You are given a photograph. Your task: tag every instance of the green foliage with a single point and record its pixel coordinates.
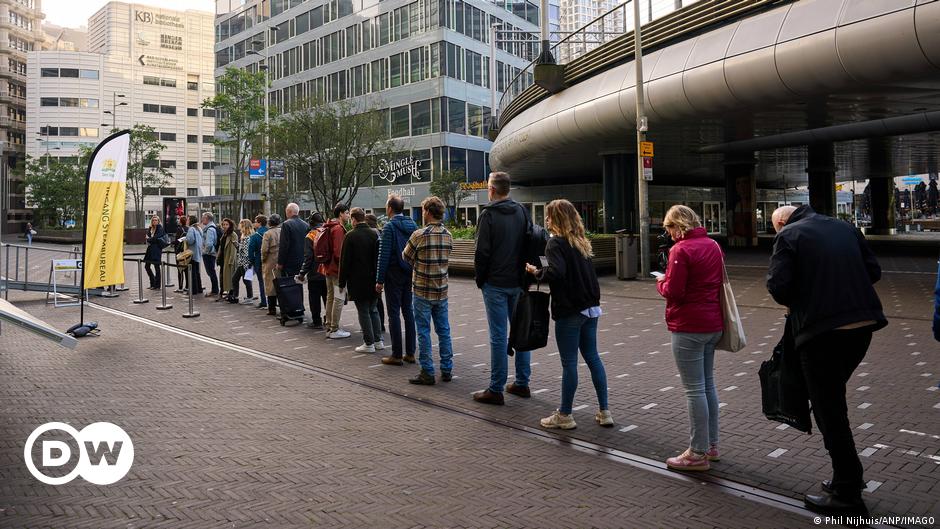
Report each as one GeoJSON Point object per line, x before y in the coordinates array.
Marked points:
{"type": "Point", "coordinates": [239, 104]}
{"type": "Point", "coordinates": [143, 167]}
{"type": "Point", "coordinates": [330, 150]}
{"type": "Point", "coordinates": [56, 188]}
{"type": "Point", "coordinates": [467, 233]}
{"type": "Point", "coordinates": [447, 187]}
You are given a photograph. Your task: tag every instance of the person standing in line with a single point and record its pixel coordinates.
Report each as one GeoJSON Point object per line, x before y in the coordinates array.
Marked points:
{"type": "Point", "coordinates": [499, 265]}
{"type": "Point", "coordinates": [269, 250]}
{"type": "Point", "coordinates": [393, 276]}
{"type": "Point", "coordinates": [356, 274]}
{"type": "Point", "coordinates": [28, 231]}
{"type": "Point", "coordinates": [936, 306]}
{"type": "Point", "coordinates": [211, 236]}
{"type": "Point", "coordinates": [373, 223]}
{"type": "Point", "coordinates": [290, 253]}
{"type": "Point", "coordinates": [316, 282]}
{"type": "Point", "coordinates": [428, 252]}
{"type": "Point", "coordinates": [178, 247]}
{"type": "Point", "coordinates": [254, 255]}
{"type": "Point", "coordinates": [242, 264]}
{"type": "Point", "coordinates": [823, 271]}
{"type": "Point", "coordinates": [155, 246]}
{"type": "Point", "coordinates": [692, 288]}
{"type": "Point", "coordinates": [576, 308]}
{"type": "Point", "coordinates": [335, 229]}
{"type": "Point", "coordinates": [228, 257]}
{"type": "Point", "coordinates": [194, 241]}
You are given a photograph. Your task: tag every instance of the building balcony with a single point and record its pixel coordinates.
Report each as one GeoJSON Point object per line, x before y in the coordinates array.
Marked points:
{"type": "Point", "coordinates": [6, 71]}
{"type": "Point", "coordinates": [12, 99]}
{"type": "Point", "coordinates": [9, 123]}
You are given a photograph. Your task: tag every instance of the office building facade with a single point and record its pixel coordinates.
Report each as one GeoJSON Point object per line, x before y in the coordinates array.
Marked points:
{"type": "Point", "coordinates": [20, 33]}
{"type": "Point", "coordinates": [424, 63]}
{"type": "Point", "coordinates": [144, 65]}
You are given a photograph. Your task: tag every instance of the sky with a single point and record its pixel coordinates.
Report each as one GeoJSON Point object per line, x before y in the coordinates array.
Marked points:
{"type": "Point", "coordinates": [75, 13]}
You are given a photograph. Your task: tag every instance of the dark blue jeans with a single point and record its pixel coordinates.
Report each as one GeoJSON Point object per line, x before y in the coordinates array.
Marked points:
{"type": "Point", "coordinates": [571, 334]}
{"type": "Point", "coordinates": [499, 303]}
{"type": "Point", "coordinates": [257, 268]}
{"type": "Point", "coordinates": [398, 302]}
{"type": "Point", "coordinates": [208, 262]}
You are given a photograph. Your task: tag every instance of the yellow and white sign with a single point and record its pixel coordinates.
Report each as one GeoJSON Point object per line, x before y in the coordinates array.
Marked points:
{"type": "Point", "coordinates": [104, 213]}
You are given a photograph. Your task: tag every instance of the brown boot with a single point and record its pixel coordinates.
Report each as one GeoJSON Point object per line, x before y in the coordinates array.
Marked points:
{"type": "Point", "coordinates": [519, 391]}
{"type": "Point", "coordinates": [392, 361]}
{"type": "Point", "coordinates": [409, 358]}
{"type": "Point", "coordinates": [488, 397]}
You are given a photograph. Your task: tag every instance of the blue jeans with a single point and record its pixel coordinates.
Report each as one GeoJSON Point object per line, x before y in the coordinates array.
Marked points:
{"type": "Point", "coordinates": [398, 302]}
{"type": "Point", "coordinates": [573, 333]}
{"type": "Point", "coordinates": [499, 303]}
{"type": "Point", "coordinates": [208, 262]}
{"type": "Point", "coordinates": [695, 358]}
{"type": "Point", "coordinates": [257, 268]}
{"type": "Point", "coordinates": [425, 311]}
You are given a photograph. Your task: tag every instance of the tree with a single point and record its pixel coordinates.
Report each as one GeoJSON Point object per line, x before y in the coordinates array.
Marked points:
{"type": "Point", "coordinates": [56, 188]}
{"type": "Point", "coordinates": [330, 149]}
{"type": "Point", "coordinates": [448, 187]}
{"type": "Point", "coordinates": [239, 104]}
{"type": "Point", "coordinates": [143, 167]}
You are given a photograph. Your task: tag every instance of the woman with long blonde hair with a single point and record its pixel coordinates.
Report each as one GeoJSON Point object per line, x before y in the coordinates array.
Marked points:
{"type": "Point", "coordinates": [242, 263]}
{"type": "Point", "coordinates": [576, 299]}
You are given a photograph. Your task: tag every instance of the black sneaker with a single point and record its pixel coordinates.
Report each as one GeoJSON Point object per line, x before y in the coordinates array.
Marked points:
{"type": "Point", "coordinates": [446, 376]}
{"type": "Point", "coordinates": [422, 379]}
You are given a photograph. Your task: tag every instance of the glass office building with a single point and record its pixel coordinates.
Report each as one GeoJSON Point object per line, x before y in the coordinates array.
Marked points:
{"type": "Point", "coordinates": [425, 63]}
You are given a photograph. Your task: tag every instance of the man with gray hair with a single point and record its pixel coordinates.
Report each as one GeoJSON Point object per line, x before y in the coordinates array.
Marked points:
{"type": "Point", "coordinates": [290, 253]}
{"type": "Point", "coordinates": [823, 271]}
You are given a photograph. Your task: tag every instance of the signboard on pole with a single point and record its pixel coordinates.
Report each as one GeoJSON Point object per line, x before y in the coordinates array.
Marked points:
{"type": "Point", "coordinates": [647, 169]}
{"type": "Point", "coordinates": [257, 168]}
{"type": "Point", "coordinates": [277, 169]}
{"type": "Point", "coordinates": [104, 212]}
{"type": "Point", "coordinates": [646, 149]}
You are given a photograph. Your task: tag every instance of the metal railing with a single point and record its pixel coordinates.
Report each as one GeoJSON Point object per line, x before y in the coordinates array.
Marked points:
{"type": "Point", "coordinates": [608, 40]}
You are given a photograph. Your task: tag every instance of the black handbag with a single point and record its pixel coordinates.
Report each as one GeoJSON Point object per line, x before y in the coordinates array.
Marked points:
{"type": "Point", "coordinates": [528, 327]}
{"type": "Point", "coordinates": [783, 389]}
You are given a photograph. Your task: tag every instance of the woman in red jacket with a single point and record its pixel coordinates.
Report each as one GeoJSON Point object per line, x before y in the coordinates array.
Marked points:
{"type": "Point", "coordinates": [691, 287]}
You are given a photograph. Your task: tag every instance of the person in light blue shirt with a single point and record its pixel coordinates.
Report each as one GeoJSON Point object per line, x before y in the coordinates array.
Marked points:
{"type": "Point", "coordinates": [194, 242]}
{"type": "Point", "coordinates": [211, 234]}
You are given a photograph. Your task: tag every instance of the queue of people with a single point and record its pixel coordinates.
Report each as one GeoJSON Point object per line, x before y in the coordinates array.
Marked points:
{"type": "Point", "coordinates": [822, 271]}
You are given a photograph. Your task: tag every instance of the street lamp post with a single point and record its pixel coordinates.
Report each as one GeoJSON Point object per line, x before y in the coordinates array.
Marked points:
{"type": "Point", "coordinates": [493, 34]}
{"type": "Point", "coordinates": [641, 130]}
{"type": "Point", "coordinates": [114, 105]}
{"type": "Point", "coordinates": [267, 82]}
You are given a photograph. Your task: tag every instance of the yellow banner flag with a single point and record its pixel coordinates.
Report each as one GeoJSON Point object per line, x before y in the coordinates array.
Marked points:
{"type": "Point", "coordinates": [103, 257]}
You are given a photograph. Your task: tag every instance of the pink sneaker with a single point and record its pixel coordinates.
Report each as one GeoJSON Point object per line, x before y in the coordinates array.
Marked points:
{"type": "Point", "coordinates": [712, 453]}
{"type": "Point", "coordinates": [688, 460]}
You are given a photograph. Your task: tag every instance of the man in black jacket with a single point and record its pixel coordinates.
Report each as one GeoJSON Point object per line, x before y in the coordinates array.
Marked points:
{"type": "Point", "coordinates": [503, 231]}
{"type": "Point", "coordinates": [357, 275]}
{"type": "Point", "coordinates": [290, 252]}
{"type": "Point", "coordinates": [823, 271]}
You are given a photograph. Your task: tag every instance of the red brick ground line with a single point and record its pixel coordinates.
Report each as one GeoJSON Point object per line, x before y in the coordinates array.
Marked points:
{"type": "Point", "coordinates": [752, 494]}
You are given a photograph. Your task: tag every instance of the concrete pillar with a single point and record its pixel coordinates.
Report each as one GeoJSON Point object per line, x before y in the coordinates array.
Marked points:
{"type": "Point", "coordinates": [620, 188]}
{"type": "Point", "coordinates": [881, 186]}
{"type": "Point", "coordinates": [821, 173]}
{"type": "Point", "coordinates": [741, 199]}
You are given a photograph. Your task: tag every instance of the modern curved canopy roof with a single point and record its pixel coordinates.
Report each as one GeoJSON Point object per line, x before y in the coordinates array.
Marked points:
{"type": "Point", "coordinates": [806, 64]}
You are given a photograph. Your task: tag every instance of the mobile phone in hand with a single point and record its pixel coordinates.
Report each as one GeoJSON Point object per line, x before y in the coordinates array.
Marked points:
{"type": "Point", "coordinates": [657, 275]}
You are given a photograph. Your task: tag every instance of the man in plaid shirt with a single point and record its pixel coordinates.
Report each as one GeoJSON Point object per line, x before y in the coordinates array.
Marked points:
{"type": "Point", "coordinates": [428, 252]}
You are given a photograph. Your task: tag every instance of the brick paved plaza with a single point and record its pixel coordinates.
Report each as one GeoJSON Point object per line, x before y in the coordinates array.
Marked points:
{"type": "Point", "coordinates": [239, 422]}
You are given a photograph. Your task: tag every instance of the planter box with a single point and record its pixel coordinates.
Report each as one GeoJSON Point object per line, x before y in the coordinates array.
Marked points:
{"type": "Point", "coordinates": [461, 259]}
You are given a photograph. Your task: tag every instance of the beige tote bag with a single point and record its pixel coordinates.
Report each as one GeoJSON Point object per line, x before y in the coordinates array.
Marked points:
{"type": "Point", "coordinates": [733, 338]}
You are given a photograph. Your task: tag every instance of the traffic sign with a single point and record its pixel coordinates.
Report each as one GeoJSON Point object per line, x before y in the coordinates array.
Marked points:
{"type": "Point", "coordinates": [257, 168]}
{"type": "Point", "coordinates": [648, 168]}
{"type": "Point", "coordinates": [646, 149]}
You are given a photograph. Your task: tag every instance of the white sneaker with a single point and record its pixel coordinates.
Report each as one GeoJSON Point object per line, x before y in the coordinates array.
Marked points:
{"type": "Point", "coordinates": [379, 345]}
{"type": "Point", "coordinates": [558, 420]}
{"type": "Point", "coordinates": [365, 348]}
{"type": "Point", "coordinates": [337, 334]}
{"type": "Point", "coordinates": [604, 418]}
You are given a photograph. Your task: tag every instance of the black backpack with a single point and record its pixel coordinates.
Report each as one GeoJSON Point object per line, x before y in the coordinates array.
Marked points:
{"type": "Point", "coordinates": [218, 236]}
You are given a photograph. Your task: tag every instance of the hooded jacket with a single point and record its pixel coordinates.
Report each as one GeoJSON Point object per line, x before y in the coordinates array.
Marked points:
{"type": "Point", "coordinates": [499, 259]}
{"type": "Point", "coordinates": [395, 236]}
{"type": "Point", "coordinates": [823, 270]}
{"type": "Point", "coordinates": [692, 286]}
{"type": "Point", "coordinates": [337, 232]}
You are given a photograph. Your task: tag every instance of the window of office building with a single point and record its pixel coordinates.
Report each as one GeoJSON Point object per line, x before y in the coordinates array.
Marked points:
{"type": "Point", "coordinates": [458, 159]}
{"type": "Point", "coordinates": [421, 118]}
{"type": "Point", "coordinates": [207, 138]}
{"type": "Point", "coordinates": [192, 191]}
{"type": "Point", "coordinates": [168, 164]}
{"type": "Point", "coordinates": [192, 112]}
{"type": "Point", "coordinates": [192, 138]}
{"type": "Point", "coordinates": [192, 165]}
{"type": "Point", "coordinates": [476, 171]}
{"type": "Point", "coordinates": [456, 116]}
{"type": "Point", "coordinates": [148, 107]}
{"type": "Point", "coordinates": [167, 109]}
{"type": "Point", "coordinates": [68, 72]}
{"type": "Point", "coordinates": [167, 136]}
{"type": "Point", "coordinates": [379, 75]}
{"type": "Point", "coordinates": [396, 63]}
{"type": "Point", "coordinates": [474, 120]}
{"type": "Point", "coordinates": [398, 117]}
{"type": "Point", "coordinates": [48, 101]}
{"type": "Point", "coordinates": [208, 112]}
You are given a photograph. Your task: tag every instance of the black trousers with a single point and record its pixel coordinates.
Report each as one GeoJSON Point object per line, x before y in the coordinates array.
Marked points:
{"type": "Point", "coordinates": [233, 290]}
{"type": "Point", "coordinates": [208, 261]}
{"type": "Point", "coordinates": [316, 293]}
{"type": "Point", "coordinates": [828, 362]}
{"type": "Point", "coordinates": [197, 277]}
{"type": "Point", "coordinates": [153, 272]}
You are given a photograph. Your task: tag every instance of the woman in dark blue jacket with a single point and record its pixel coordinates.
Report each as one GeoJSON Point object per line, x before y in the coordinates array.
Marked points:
{"type": "Point", "coordinates": [155, 244]}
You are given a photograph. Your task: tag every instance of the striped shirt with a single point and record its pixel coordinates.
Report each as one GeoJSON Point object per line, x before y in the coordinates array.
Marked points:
{"type": "Point", "coordinates": [428, 251]}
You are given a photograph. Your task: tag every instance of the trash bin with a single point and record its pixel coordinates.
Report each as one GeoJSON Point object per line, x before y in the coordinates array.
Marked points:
{"type": "Point", "coordinates": [626, 255]}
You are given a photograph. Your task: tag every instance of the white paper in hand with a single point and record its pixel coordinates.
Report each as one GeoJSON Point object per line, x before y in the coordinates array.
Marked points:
{"type": "Point", "coordinates": [250, 274]}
